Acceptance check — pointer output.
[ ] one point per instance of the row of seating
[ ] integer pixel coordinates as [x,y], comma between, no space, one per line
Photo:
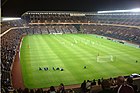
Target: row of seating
[5,25]
[123,19]
[52,29]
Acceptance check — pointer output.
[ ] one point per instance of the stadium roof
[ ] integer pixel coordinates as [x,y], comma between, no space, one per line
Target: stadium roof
[59,12]
[77,13]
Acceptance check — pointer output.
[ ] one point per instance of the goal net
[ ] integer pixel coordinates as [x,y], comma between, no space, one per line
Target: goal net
[108,58]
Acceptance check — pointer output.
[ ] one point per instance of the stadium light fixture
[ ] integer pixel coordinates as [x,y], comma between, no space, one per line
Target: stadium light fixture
[10,18]
[118,11]
[136,10]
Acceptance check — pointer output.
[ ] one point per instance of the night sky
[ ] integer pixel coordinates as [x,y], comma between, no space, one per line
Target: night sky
[11,8]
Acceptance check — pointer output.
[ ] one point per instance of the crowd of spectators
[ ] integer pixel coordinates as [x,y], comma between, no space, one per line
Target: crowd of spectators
[9,43]
[5,25]
[119,84]
[128,19]
[118,32]
[52,29]
[52,89]
[112,85]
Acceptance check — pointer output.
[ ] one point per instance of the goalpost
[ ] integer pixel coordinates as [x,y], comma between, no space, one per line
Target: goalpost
[57,33]
[108,58]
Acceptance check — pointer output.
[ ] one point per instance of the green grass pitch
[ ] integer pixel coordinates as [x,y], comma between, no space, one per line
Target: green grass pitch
[72,52]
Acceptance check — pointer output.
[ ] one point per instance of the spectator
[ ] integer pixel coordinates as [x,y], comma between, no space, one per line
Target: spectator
[26,90]
[93,82]
[130,82]
[112,81]
[32,91]
[40,90]
[88,86]
[99,82]
[105,87]
[122,87]
[61,88]
[83,87]
[19,90]
[51,90]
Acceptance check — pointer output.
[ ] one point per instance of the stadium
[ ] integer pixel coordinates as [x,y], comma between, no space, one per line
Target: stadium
[46,48]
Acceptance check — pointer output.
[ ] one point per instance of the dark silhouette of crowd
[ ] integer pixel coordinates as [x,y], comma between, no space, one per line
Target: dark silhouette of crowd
[119,85]
[52,89]
[112,85]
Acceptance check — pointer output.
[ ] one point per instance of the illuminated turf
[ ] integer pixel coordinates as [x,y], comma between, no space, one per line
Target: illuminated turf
[72,52]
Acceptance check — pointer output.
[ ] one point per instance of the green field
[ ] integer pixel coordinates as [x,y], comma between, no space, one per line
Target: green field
[72,52]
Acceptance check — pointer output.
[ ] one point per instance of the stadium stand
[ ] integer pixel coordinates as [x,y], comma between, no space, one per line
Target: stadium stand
[122,33]
[78,17]
[123,19]
[9,24]
[123,27]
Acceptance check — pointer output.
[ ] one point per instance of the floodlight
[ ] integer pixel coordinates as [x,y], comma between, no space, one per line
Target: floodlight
[10,18]
[118,11]
[136,10]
